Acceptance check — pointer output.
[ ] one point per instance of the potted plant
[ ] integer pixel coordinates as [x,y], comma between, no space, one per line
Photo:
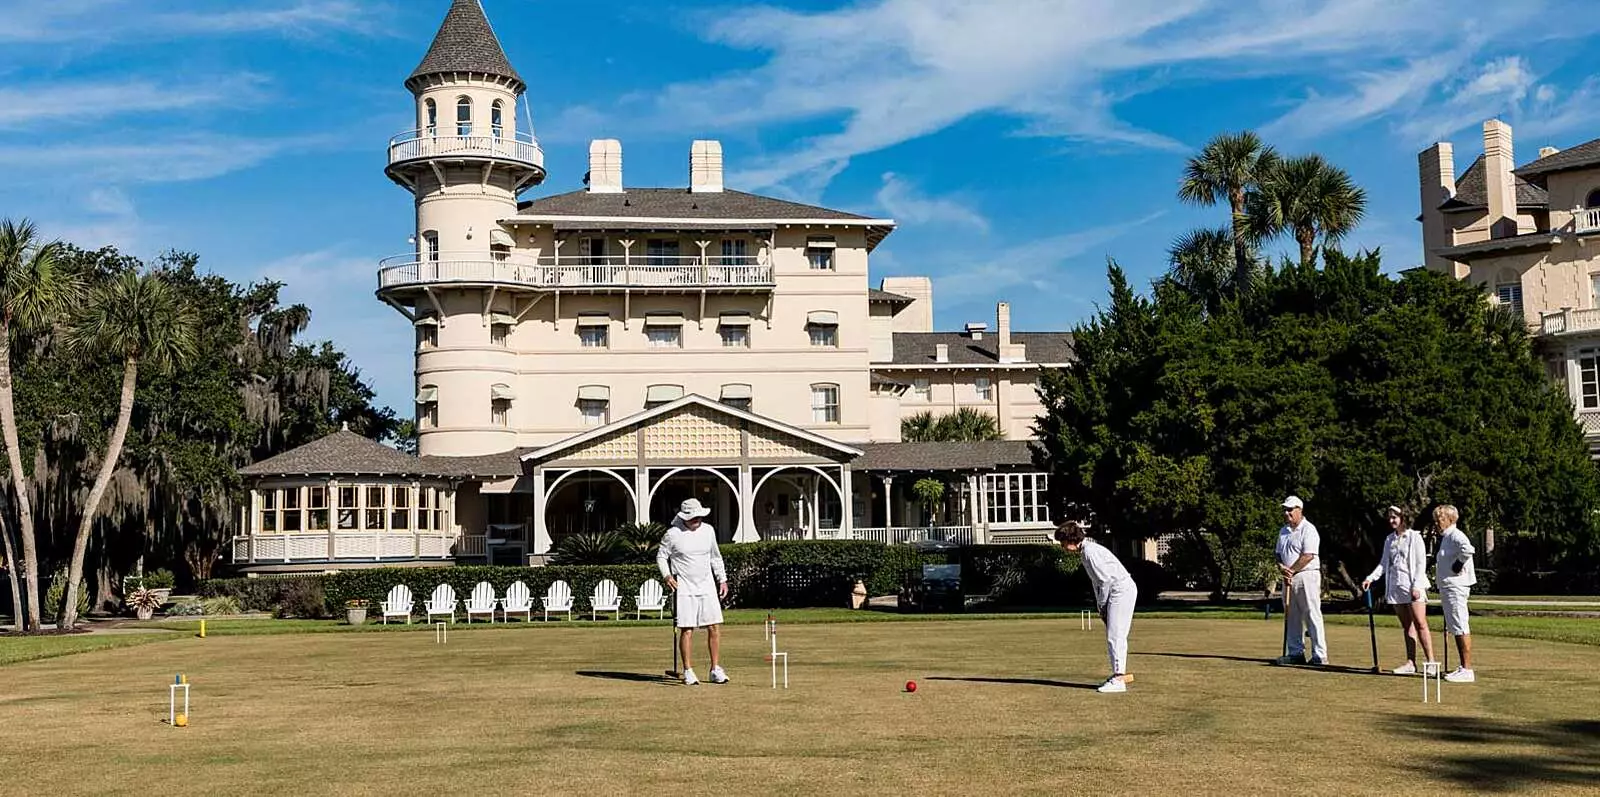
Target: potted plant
[355,611]
[144,602]
[161,582]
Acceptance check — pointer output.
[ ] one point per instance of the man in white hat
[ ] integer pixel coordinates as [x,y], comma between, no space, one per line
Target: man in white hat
[1302,583]
[691,563]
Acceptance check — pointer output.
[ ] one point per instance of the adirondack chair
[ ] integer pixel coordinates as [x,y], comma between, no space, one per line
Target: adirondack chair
[481,601]
[443,602]
[516,601]
[558,599]
[651,598]
[398,604]
[605,599]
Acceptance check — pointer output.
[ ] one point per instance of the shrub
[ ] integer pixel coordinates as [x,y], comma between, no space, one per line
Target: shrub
[160,579]
[264,594]
[814,572]
[601,548]
[373,585]
[56,596]
[192,608]
[223,605]
[641,541]
[303,599]
[144,598]
[1024,575]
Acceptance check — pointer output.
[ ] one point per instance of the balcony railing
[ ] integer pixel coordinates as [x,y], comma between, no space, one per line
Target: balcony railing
[325,547]
[961,535]
[1564,322]
[665,272]
[1587,220]
[418,144]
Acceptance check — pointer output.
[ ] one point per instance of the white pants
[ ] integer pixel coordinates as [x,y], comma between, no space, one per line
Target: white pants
[1454,601]
[1305,613]
[698,611]
[1118,619]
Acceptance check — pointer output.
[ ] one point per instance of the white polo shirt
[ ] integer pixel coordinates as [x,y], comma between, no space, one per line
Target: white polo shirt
[1293,541]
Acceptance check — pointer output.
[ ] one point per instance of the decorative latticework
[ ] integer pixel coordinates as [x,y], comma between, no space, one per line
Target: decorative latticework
[621,445]
[693,432]
[772,444]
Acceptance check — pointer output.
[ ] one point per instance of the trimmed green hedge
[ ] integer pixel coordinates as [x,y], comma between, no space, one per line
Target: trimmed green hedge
[262,594]
[374,585]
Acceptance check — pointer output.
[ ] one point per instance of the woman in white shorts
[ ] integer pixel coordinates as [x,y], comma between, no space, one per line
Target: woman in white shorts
[1404,570]
[1456,577]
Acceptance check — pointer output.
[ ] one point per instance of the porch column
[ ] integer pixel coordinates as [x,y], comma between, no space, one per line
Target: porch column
[847,504]
[747,503]
[641,491]
[888,503]
[541,526]
[975,510]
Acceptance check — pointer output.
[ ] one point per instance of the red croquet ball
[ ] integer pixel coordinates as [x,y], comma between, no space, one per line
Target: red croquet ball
[911,686]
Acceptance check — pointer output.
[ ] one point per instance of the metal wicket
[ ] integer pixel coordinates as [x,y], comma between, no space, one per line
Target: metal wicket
[1431,669]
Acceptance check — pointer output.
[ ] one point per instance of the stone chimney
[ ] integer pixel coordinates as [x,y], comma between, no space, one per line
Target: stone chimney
[1498,161]
[605,166]
[941,352]
[1436,171]
[975,329]
[1009,352]
[705,167]
[918,315]
[1545,152]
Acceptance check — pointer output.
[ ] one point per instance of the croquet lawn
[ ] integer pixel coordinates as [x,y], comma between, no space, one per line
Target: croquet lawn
[1003,706]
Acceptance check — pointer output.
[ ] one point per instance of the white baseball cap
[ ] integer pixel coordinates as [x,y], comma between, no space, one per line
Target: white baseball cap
[1293,502]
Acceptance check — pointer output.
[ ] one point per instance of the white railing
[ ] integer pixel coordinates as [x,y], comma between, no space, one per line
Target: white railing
[417,144]
[893,535]
[574,272]
[470,545]
[1563,321]
[324,547]
[1587,220]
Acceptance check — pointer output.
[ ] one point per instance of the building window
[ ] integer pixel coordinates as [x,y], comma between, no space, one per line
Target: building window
[317,508]
[734,337]
[733,252]
[427,334]
[738,403]
[400,509]
[464,116]
[664,337]
[820,259]
[737,395]
[1017,497]
[1589,379]
[499,334]
[661,252]
[594,337]
[657,395]
[432,126]
[497,118]
[922,390]
[823,334]
[427,407]
[1510,295]
[593,250]
[984,387]
[425,500]
[377,507]
[269,510]
[499,412]
[1593,200]
[349,505]
[824,403]
[430,246]
[595,412]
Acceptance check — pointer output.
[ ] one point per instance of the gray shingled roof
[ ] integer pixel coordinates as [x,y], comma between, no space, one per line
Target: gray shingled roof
[677,203]
[1582,156]
[1472,191]
[1532,240]
[345,452]
[917,348]
[466,43]
[971,455]
[885,297]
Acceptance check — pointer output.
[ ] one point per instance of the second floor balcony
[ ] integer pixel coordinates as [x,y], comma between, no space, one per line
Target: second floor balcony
[1586,220]
[450,143]
[587,273]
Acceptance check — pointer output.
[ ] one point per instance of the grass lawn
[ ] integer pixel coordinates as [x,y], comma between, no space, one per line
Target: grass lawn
[1004,706]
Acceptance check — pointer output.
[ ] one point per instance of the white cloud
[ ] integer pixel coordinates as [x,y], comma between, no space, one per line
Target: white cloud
[1032,265]
[79,102]
[1497,87]
[58,21]
[107,217]
[1374,94]
[906,203]
[157,158]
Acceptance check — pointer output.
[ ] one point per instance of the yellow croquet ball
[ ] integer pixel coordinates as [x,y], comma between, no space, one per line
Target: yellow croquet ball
[182,721]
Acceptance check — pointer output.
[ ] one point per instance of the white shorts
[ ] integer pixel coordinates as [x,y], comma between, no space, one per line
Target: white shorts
[698,611]
[1454,601]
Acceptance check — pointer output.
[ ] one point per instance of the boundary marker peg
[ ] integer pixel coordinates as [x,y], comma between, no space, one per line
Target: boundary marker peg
[1431,669]
[1085,620]
[180,682]
[441,633]
[771,628]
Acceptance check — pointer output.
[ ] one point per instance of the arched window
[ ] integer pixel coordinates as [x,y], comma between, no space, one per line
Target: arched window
[497,118]
[432,112]
[464,116]
[1593,200]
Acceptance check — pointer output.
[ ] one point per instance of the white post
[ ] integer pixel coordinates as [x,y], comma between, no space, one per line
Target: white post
[888,504]
[846,504]
[975,510]
[747,520]
[541,529]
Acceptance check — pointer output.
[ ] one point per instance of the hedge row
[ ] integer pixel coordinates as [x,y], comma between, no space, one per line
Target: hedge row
[262,594]
[374,585]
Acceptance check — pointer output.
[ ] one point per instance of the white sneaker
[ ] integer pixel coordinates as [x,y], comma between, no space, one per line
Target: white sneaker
[689,679]
[1461,676]
[1113,684]
[718,676]
[1409,668]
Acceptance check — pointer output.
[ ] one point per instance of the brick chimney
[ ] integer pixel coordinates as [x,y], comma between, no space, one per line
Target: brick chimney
[605,166]
[1009,352]
[1436,172]
[705,167]
[1498,161]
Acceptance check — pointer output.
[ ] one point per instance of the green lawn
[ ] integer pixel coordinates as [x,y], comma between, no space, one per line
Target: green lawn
[1003,707]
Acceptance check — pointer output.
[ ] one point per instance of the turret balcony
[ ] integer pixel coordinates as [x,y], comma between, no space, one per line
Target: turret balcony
[589,274]
[423,145]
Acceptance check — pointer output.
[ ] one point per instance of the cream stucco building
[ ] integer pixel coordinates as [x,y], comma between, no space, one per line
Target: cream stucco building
[1531,236]
[590,358]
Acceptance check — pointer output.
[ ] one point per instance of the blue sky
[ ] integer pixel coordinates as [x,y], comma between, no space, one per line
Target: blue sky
[1019,143]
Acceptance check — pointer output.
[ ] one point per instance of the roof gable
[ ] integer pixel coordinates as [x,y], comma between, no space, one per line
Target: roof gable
[343,451]
[1472,190]
[466,43]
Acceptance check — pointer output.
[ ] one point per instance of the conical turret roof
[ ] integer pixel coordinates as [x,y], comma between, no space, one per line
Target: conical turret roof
[466,44]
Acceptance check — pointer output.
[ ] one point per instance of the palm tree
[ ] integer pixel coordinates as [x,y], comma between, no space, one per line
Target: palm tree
[1202,263]
[967,424]
[1308,198]
[33,291]
[142,320]
[1226,170]
[917,428]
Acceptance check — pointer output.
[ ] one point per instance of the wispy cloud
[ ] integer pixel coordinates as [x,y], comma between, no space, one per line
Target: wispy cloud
[183,158]
[907,204]
[37,22]
[1373,94]
[1034,265]
[79,102]
[1496,87]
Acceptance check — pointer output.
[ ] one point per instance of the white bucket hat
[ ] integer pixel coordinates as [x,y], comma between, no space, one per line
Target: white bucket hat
[692,508]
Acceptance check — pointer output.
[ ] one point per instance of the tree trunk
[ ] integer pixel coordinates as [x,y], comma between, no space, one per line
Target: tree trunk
[1307,238]
[91,508]
[11,573]
[1241,260]
[19,484]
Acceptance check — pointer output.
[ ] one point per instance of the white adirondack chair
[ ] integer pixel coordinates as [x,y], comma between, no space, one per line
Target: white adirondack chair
[651,598]
[481,601]
[398,604]
[605,599]
[558,599]
[517,601]
[443,602]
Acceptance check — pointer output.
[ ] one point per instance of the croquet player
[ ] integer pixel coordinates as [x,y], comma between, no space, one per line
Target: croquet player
[691,563]
[1404,570]
[1456,578]
[1114,595]
[1302,581]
